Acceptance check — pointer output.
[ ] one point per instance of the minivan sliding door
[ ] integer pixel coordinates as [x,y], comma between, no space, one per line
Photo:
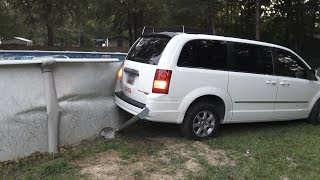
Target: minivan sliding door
[252,85]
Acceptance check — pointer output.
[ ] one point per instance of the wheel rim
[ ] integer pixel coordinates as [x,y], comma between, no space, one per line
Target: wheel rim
[203,123]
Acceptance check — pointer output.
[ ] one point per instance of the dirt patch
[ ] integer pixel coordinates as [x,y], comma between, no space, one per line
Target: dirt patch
[101,166]
[216,157]
[175,160]
[193,166]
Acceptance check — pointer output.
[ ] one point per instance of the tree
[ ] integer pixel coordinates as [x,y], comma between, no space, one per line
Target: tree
[130,16]
[293,23]
[312,16]
[3,19]
[48,13]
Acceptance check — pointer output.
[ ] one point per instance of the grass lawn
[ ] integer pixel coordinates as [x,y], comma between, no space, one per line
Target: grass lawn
[281,150]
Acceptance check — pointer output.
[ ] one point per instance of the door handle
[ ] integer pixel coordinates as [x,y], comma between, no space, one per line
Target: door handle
[284,83]
[131,71]
[271,82]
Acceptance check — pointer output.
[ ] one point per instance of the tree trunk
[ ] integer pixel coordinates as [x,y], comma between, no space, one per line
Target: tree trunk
[314,20]
[135,26]
[258,8]
[50,30]
[226,20]
[135,20]
[210,22]
[130,28]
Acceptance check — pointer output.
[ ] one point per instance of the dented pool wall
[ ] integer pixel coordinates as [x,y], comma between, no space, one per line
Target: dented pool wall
[85,98]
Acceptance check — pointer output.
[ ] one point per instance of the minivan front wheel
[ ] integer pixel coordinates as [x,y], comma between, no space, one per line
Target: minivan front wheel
[201,122]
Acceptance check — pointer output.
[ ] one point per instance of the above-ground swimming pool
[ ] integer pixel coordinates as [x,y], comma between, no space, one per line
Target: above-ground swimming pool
[51,99]
[29,55]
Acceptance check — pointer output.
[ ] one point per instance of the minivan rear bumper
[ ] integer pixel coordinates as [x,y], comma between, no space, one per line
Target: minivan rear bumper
[160,111]
[125,98]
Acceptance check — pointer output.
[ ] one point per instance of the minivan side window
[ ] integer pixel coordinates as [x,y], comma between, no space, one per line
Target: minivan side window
[289,65]
[208,54]
[251,58]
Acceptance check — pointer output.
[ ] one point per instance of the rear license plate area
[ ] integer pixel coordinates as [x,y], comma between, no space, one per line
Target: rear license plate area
[130,79]
[127,89]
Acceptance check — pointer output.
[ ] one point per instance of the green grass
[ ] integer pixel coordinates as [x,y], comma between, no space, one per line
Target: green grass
[54,168]
[209,171]
[137,173]
[175,163]
[45,168]
[60,166]
[261,151]
[286,149]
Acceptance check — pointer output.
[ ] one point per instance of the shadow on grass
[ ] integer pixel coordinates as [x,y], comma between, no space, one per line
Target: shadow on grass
[152,129]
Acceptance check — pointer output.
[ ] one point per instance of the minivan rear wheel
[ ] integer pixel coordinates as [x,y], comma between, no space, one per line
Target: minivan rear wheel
[314,117]
[201,121]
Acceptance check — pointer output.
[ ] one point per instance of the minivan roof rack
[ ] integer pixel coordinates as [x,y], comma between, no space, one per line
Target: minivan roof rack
[176,29]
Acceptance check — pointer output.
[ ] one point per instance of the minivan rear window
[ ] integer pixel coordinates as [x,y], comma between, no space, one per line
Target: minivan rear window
[148,50]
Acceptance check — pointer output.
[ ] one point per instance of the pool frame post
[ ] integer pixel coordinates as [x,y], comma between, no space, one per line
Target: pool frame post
[53,109]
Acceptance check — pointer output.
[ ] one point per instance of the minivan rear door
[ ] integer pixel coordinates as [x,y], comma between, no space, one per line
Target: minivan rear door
[140,66]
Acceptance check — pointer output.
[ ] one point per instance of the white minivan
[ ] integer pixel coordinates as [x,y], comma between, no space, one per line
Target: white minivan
[202,81]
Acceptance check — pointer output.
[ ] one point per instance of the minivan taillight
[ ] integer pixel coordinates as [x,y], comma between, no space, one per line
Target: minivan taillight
[120,73]
[161,81]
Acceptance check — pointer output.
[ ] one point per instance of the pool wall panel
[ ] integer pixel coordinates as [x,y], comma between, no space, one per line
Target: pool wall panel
[23,125]
[85,96]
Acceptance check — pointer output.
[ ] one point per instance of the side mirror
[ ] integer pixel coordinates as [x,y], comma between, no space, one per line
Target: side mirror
[311,75]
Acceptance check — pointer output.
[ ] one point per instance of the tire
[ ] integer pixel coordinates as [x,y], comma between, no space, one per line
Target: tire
[201,121]
[314,117]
